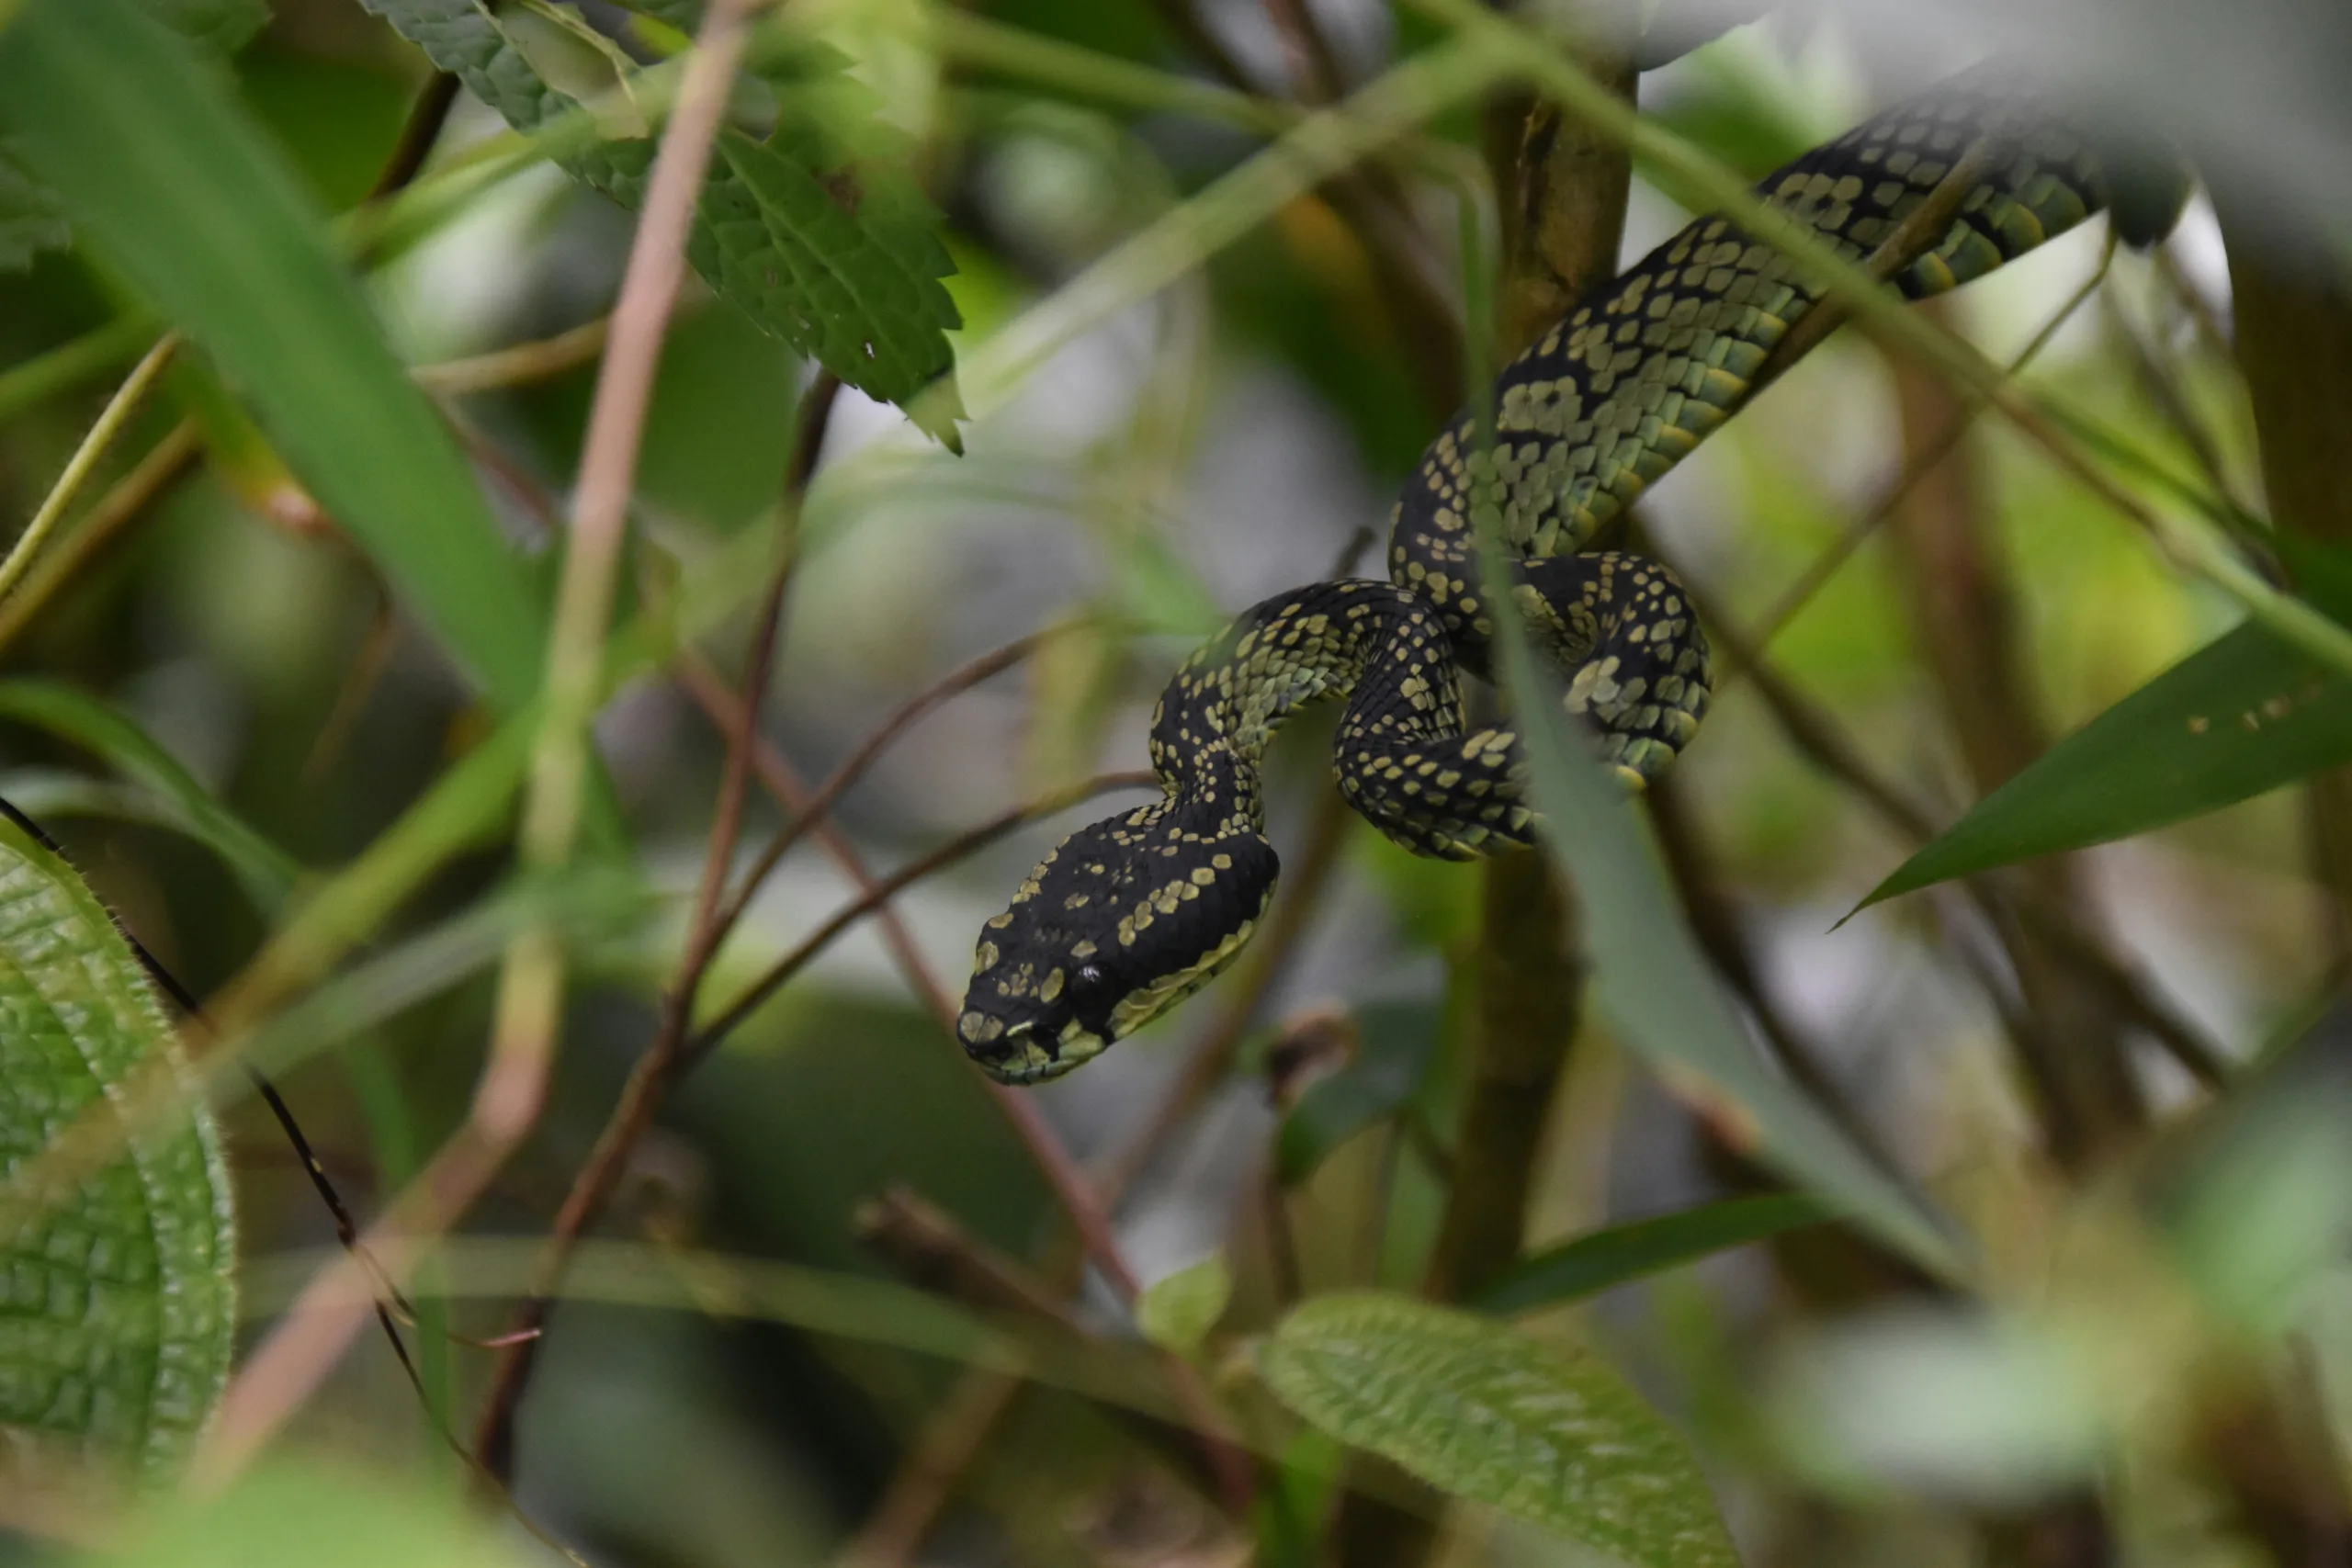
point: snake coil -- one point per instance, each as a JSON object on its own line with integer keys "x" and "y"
{"x": 1131, "y": 914}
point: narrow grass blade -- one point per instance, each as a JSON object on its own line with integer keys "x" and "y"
{"x": 2241, "y": 716}
{"x": 1622, "y": 1254}
{"x": 266, "y": 872}
{"x": 1666, "y": 1004}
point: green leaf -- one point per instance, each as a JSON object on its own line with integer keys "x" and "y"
{"x": 1548, "y": 1436}
{"x": 297, "y": 1515}
{"x": 161, "y": 170}
{"x": 2243, "y": 715}
{"x": 1666, "y": 1003}
{"x": 1607, "y": 1259}
{"x": 222, "y": 26}
{"x": 266, "y": 872}
{"x": 816, "y": 233}
{"x": 31, "y": 217}
{"x": 119, "y": 1299}
{"x": 1177, "y": 1313}
{"x": 1397, "y": 1040}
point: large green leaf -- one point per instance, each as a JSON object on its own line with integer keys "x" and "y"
{"x": 31, "y": 217}
{"x": 119, "y": 1302}
{"x": 1667, "y": 1004}
{"x": 1607, "y": 1259}
{"x": 818, "y": 233}
{"x": 157, "y": 166}
{"x": 2243, "y": 715}
{"x": 1548, "y": 1436}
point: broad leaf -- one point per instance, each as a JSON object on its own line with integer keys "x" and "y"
{"x": 31, "y": 217}
{"x": 1666, "y": 1003}
{"x": 121, "y": 1303}
{"x": 292, "y": 1514}
{"x": 1607, "y": 1259}
{"x": 815, "y": 233}
{"x": 2243, "y": 715}
{"x": 1548, "y": 1436}
{"x": 157, "y": 166}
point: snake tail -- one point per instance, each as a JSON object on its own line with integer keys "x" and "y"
{"x": 1131, "y": 914}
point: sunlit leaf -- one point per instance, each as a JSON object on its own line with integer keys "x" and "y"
{"x": 1548, "y": 1436}
{"x": 120, "y": 1300}
{"x": 267, "y": 871}
{"x": 2243, "y": 715}
{"x": 158, "y": 166}
{"x": 1607, "y": 1259}
{"x": 812, "y": 234}
{"x": 1177, "y": 1313}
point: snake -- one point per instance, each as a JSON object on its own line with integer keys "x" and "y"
{"x": 1128, "y": 916}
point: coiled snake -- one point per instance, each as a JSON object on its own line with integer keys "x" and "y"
{"x": 1129, "y": 915}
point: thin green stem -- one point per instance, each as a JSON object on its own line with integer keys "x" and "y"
{"x": 85, "y": 461}
{"x": 42, "y": 378}
{"x": 1704, "y": 184}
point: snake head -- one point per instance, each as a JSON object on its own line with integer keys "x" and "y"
{"x": 1123, "y": 920}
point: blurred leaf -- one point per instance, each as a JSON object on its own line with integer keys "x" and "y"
{"x": 1293, "y": 1506}
{"x": 2243, "y": 715}
{"x": 2260, "y": 1205}
{"x": 225, "y": 26}
{"x": 1550, "y": 1437}
{"x": 816, "y": 233}
{"x": 31, "y": 217}
{"x": 1396, "y": 1043}
{"x": 120, "y": 1295}
{"x": 188, "y": 203}
{"x": 1666, "y": 1004}
{"x": 1997, "y": 1408}
{"x": 1607, "y": 1259}
{"x": 267, "y": 871}
{"x": 1177, "y": 1313}
{"x": 286, "y": 1516}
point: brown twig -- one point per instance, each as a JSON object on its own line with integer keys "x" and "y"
{"x": 708, "y": 931}
{"x": 508, "y": 1096}
{"x": 1793, "y": 599}
{"x": 1818, "y": 738}
{"x": 884, "y": 735}
{"x": 418, "y": 133}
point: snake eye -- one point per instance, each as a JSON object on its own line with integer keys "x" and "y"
{"x": 1091, "y": 998}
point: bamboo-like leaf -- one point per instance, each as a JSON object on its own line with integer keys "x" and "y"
{"x": 1548, "y": 1436}
{"x": 159, "y": 168}
{"x": 2241, "y": 716}
{"x": 1607, "y": 1259}
{"x": 120, "y": 1299}
{"x": 31, "y": 217}
{"x": 267, "y": 871}
{"x": 814, "y": 233}
{"x": 1667, "y": 1005}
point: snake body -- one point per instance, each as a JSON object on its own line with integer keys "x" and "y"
{"x": 1129, "y": 915}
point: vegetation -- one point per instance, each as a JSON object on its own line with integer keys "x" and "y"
{"x": 572, "y": 551}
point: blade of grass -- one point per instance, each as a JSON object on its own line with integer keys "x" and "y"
{"x": 1618, "y": 1256}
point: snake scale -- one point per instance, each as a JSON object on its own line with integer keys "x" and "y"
{"x": 1131, "y": 914}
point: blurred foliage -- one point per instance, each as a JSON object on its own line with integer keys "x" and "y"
{"x": 1811, "y": 1278}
